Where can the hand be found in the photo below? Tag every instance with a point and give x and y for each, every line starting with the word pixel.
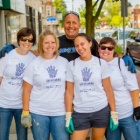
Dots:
pixel 129 62
pixel 26 119
pixel 137 113
pixel 113 121
pixel 69 123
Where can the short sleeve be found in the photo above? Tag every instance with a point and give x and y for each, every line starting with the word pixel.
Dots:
pixel 129 78
pixel 29 73
pixel 104 69
pixel 3 63
pixel 69 72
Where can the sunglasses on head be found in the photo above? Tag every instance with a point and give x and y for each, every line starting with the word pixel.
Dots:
pixel 110 48
pixel 24 39
pixel 72 12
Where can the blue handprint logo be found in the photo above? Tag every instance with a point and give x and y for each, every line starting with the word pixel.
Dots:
pixel 52 71
pixel 19 69
pixel 86 74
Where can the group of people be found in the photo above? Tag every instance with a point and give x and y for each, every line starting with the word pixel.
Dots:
pixel 73 85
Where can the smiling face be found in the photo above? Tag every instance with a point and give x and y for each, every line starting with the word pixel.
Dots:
pixel 71 26
pixel 49 46
pixel 106 51
pixel 25 43
pixel 83 47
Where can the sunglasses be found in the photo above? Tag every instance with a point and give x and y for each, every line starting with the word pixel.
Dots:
pixel 24 39
pixel 107 47
pixel 72 12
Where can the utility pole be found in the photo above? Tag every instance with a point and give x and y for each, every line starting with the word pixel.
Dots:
pixel 72 5
pixel 124 14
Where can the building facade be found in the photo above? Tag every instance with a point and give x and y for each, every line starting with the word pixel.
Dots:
pixel 15 14
pixel 35 14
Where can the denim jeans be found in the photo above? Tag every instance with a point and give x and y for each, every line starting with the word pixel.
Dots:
pixel 6 116
pixel 128 127
pixel 138 122
pixel 43 126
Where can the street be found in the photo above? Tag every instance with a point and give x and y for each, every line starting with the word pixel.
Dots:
pixel 137 66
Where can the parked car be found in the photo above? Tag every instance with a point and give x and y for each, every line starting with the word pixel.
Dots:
pixel 133 45
pixel 118 35
pixel 99 34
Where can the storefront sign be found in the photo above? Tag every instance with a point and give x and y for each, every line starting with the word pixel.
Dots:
pixel 52 21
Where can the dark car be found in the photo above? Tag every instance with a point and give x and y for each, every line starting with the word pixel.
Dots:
pixel 133 45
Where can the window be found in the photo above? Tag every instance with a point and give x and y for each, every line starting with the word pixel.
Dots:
pixel 48 11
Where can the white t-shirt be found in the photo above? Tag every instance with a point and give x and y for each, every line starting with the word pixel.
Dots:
pixel 12 68
pixel 48 80
pixel 123 81
pixel 89 95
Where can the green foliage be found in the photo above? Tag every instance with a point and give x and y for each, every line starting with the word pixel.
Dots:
pixel 118 49
pixel 113 17
pixel 60 7
pixel 82 12
pixel 115 0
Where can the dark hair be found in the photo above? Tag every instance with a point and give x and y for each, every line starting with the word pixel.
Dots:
pixel 110 40
pixel 105 40
pixel 88 38
pixel 26 32
pixel 72 12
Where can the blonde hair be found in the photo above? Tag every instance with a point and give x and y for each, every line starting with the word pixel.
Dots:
pixel 45 33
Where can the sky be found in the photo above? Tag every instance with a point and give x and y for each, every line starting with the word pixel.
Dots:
pixel 77 3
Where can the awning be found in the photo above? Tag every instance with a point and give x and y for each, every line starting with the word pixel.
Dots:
pixel 14 5
pixel 52 20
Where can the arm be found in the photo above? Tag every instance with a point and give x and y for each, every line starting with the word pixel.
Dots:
pixel 6 49
pixel 26 117
pixel 69 94
pixel 135 98
pixel 129 62
pixel 35 52
pixel 111 100
pixel 109 93
pixel 0 80
pixel 26 95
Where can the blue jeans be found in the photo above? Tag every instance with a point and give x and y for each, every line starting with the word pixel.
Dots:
pixel 43 126
pixel 138 122
pixel 128 127
pixel 6 116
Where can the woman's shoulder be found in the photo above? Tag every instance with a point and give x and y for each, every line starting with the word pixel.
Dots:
pixel 62 59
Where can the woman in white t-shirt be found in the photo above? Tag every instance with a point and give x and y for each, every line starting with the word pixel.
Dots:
pixel 12 68
pixel 44 88
pixel 88 89
pixel 125 88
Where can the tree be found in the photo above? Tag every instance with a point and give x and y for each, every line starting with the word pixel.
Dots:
pixel 113 17
pixel 60 7
pixel 94 11
pixel 91 17
pixel 82 12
